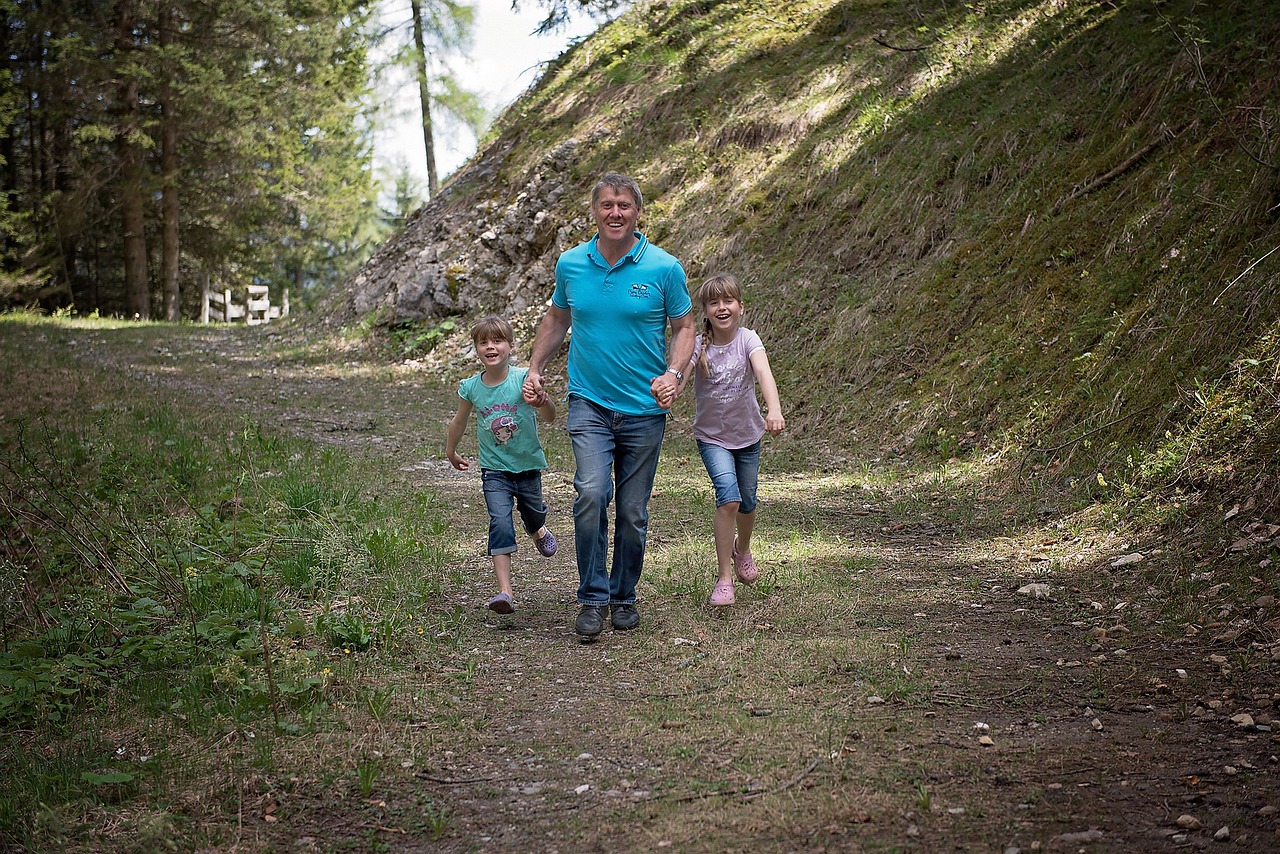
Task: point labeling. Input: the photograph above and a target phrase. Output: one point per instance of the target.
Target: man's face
(615, 213)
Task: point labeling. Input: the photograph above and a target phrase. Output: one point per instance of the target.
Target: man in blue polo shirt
(618, 292)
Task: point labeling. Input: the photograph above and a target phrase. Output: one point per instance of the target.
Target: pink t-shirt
(727, 413)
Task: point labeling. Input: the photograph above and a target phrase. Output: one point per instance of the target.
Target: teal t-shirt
(506, 426)
(619, 318)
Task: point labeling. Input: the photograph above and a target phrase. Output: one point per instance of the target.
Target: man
(618, 292)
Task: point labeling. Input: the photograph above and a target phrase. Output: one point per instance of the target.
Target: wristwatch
(679, 375)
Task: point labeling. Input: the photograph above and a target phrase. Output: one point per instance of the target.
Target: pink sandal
(722, 593)
(744, 566)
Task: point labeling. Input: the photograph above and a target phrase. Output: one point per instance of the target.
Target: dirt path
(886, 687)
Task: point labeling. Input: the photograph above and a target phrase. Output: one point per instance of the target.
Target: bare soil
(884, 687)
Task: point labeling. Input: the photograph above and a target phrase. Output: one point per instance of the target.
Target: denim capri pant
(502, 489)
(734, 473)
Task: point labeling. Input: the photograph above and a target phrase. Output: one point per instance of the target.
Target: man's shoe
(590, 620)
(625, 617)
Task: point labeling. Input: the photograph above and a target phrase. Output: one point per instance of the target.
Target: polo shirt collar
(635, 253)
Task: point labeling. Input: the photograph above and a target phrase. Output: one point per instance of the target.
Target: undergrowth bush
(1229, 435)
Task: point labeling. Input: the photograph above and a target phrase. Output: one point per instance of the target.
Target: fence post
(204, 295)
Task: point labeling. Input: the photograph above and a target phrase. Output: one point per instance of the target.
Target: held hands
(532, 391)
(663, 388)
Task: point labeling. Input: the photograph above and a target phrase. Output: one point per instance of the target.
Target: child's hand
(774, 424)
(539, 399)
(458, 462)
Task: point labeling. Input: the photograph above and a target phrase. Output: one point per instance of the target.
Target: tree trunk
(169, 175)
(137, 287)
(8, 149)
(424, 94)
(68, 215)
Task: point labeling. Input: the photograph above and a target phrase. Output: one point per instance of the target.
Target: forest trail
(886, 686)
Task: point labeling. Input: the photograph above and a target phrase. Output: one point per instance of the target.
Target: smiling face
(493, 352)
(616, 213)
(724, 313)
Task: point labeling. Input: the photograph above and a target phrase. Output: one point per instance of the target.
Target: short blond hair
(618, 183)
(493, 328)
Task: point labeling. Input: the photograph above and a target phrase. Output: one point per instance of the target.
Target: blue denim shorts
(502, 491)
(733, 473)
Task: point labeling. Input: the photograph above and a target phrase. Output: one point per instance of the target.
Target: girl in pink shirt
(728, 360)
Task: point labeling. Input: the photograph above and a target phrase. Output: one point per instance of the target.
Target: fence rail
(253, 308)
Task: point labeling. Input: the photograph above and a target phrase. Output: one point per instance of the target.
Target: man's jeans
(611, 447)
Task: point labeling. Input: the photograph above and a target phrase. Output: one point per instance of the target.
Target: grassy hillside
(1042, 230)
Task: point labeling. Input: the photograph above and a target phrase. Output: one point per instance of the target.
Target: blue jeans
(610, 447)
(734, 474)
(501, 490)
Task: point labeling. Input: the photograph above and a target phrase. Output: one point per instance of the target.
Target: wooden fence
(255, 307)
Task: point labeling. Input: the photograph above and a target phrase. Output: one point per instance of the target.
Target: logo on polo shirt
(640, 290)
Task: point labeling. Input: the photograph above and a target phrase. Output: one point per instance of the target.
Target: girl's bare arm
(457, 427)
(774, 422)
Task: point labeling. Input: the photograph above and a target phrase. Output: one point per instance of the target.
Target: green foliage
(258, 107)
(1227, 437)
(412, 339)
(164, 568)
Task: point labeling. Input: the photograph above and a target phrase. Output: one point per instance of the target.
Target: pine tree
(225, 132)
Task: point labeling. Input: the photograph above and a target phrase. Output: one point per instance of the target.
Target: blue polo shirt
(619, 318)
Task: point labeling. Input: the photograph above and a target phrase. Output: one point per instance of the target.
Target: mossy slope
(1033, 227)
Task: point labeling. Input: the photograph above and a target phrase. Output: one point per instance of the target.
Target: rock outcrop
(496, 255)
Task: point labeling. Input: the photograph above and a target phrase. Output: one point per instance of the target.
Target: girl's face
(725, 313)
(493, 352)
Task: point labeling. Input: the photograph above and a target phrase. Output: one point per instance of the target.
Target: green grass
(164, 570)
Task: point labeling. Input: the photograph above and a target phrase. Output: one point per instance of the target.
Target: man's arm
(683, 331)
(551, 333)
(664, 387)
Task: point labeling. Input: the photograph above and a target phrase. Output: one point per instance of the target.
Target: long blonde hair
(719, 286)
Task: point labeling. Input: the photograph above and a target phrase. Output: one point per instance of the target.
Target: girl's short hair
(493, 328)
(618, 183)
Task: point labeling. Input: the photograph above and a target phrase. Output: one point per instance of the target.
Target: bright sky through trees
(505, 60)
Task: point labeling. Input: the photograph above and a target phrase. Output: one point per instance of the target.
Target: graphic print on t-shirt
(501, 421)
(726, 375)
